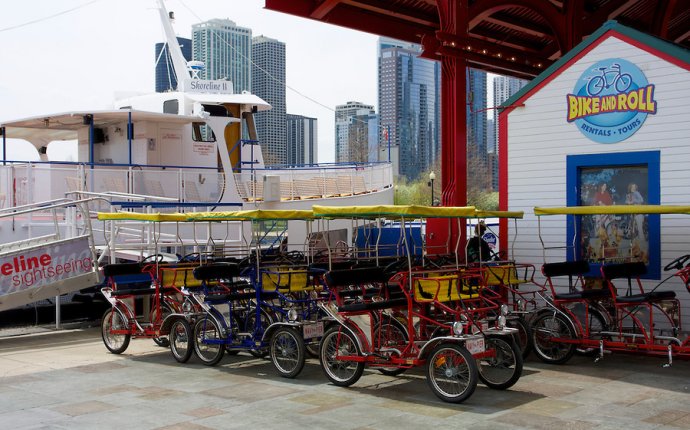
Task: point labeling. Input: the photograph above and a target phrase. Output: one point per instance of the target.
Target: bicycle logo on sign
(609, 77)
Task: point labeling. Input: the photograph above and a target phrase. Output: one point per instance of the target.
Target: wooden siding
(540, 138)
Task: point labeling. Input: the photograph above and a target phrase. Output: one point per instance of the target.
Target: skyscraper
(165, 78)
(479, 178)
(302, 140)
(268, 82)
(352, 132)
(504, 87)
(476, 110)
(409, 106)
(225, 48)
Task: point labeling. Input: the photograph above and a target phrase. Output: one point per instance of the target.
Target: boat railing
(314, 182)
(26, 182)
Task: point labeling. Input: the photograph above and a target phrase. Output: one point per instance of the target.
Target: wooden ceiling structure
(518, 38)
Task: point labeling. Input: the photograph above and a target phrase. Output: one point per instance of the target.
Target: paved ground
(68, 380)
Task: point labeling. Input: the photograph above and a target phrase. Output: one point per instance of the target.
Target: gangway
(51, 261)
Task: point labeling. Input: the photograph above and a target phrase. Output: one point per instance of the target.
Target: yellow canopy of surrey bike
(612, 210)
(136, 216)
(248, 215)
(254, 215)
(393, 211)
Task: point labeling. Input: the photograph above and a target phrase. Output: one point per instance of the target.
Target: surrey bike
(629, 314)
(146, 301)
(509, 282)
(271, 300)
(377, 310)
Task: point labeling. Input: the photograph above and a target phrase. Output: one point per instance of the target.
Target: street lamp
(432, 177)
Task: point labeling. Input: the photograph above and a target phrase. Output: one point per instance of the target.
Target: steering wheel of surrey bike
(153, 258)
(678, 263)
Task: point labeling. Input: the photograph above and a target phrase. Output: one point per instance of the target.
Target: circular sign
(611, 101)
(490, 239)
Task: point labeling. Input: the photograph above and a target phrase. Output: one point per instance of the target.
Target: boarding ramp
(40, 266)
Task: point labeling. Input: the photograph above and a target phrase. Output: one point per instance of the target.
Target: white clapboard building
(606, 124)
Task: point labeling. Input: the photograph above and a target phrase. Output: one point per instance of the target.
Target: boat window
(171, 106)
(202, 132)
(216, 110)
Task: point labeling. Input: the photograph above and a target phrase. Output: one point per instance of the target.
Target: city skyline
(123, 62)
(116, 58)
(409, 106)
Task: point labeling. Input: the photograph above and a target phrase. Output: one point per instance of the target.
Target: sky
(66, 55)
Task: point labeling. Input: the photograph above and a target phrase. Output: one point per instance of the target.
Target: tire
(523, 337)
(504, 369)
(162, 341)
(339, 341)
(391, 333)
(208, 341)
(181, 340)
(287, 351)
(231, 351)
(451, 372)
(312, 349)
(549, 325)
(114, 319)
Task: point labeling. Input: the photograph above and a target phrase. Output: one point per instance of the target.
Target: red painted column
(453, 18)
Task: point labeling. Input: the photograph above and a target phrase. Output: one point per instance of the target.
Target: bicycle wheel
(523, 337)
(504, 369)
(287, 351)
(391, 334)
(337, 342)
(451, 372)
(623, 82)
(312, 348)
(546, 327)
(181, 340)
(114, 319)
(595, 85)
(208, 341)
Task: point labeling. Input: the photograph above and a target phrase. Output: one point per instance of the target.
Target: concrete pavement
(68, 380)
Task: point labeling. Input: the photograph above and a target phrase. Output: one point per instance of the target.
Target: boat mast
(178, 61)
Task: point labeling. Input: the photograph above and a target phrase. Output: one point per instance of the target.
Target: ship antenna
(178, 61)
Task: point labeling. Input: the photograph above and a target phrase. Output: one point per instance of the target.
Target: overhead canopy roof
(41, 130)
(511, 37)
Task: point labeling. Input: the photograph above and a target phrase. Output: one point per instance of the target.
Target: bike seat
(653, 296)
(384, 304)
(584, 295)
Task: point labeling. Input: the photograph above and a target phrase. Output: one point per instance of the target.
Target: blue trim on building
(648, 159)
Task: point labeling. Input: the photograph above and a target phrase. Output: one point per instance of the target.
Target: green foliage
(418, 192)
(485, 200)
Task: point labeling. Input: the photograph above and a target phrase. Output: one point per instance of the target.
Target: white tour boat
(195, 148)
